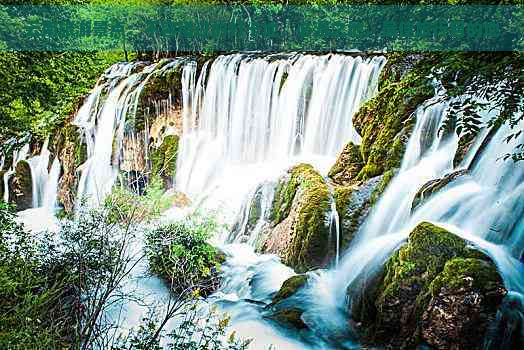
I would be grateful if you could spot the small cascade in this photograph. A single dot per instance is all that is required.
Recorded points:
(262, 113)
(18, 156)
(334, 229)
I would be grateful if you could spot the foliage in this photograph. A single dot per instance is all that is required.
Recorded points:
(35, 298)
(126, 206)
(179, 252)
(195, 332)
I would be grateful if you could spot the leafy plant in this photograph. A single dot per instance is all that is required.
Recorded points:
(179, 252)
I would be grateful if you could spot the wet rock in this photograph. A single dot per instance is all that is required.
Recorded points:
(433, 186)
(381, 119)
(299, 215)
(435, 290)
(507, 332)
(353, 205)
(348, 165)
(21, 187)
(283, 309)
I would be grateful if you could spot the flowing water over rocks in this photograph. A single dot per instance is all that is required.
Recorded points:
(241, 121)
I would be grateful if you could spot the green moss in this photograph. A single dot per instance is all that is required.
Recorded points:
(290, 287)
(347, 166)
(310, 242)
(290, 317)
(300, 175)
(310, 236)
(386, 179)
(459, 273)
(163, 159)
(383, 117)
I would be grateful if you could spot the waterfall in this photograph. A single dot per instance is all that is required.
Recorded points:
(484, 206)
(18, 156)
(102, 120)
(249, 117)
(44, 179)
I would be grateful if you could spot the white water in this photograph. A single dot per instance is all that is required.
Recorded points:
(256, 115)
(103, 124)
(44, 179)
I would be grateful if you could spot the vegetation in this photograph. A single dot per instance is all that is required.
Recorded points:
(125, 206)
(180, 254)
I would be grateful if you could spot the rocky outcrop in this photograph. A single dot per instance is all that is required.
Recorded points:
(72, 152)
(348, 165)
(353, 205)
(384, 123)
(435, 291)
(21, 187)
(433, 186)
(299, 232)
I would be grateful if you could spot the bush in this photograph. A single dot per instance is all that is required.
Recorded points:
(127, 207)
(35, 300)
(179, 253)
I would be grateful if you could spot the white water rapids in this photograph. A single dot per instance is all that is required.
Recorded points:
(248, 117)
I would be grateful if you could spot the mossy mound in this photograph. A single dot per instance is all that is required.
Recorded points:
(427, 282)
(433, 186)
(289, 288)
(21, 187)
(300, 211)
(348, 165)
(163, 160)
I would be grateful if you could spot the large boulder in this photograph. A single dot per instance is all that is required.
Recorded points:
(299, 215)
(21, 186)
(433, 186)
(435, 291)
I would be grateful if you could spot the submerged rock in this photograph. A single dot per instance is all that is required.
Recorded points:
(283, 309)
(433, 186)
(435, 290)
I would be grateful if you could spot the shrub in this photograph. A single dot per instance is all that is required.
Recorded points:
(179, 252)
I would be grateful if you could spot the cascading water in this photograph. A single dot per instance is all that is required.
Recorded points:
(44, 180)
(18, 156)
(103, 124)
(254, 116)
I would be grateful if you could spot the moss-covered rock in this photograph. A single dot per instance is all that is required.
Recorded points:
(348, 165)
(433, 186)
(434, 274)
(299, 215)
(464, 303)
(289, 288)
(380, 120)
(21, 187)
(353, 205)
(283, 309)
(163, 160)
